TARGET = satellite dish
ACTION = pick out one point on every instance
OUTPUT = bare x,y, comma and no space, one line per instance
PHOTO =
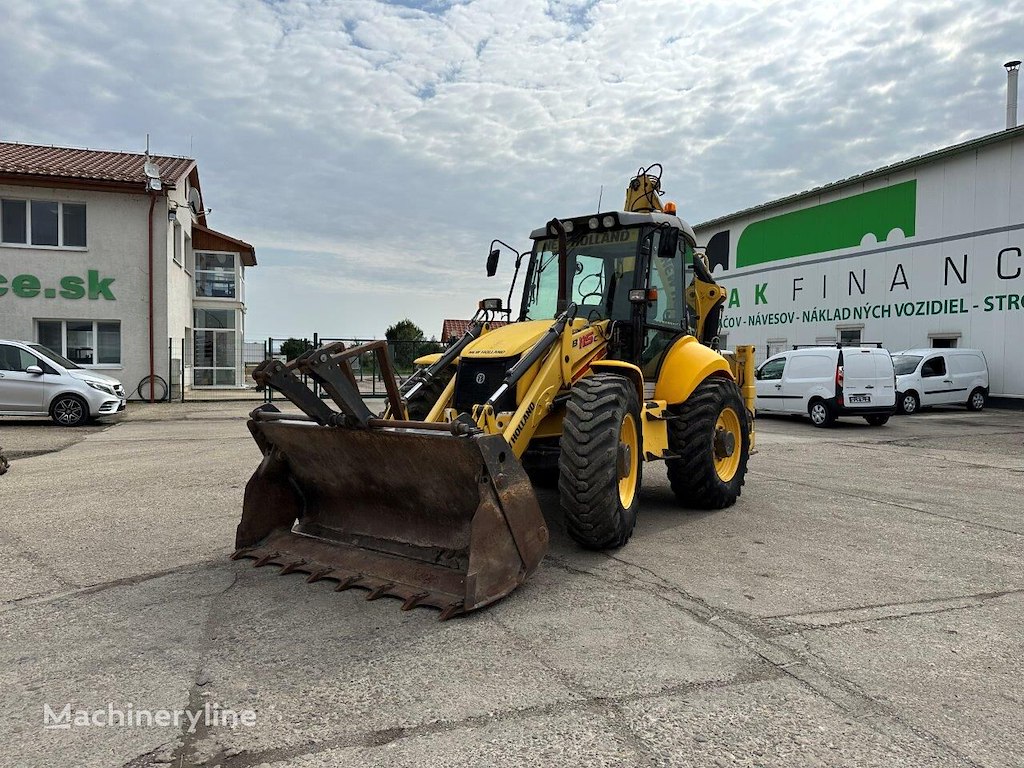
152,171
195,202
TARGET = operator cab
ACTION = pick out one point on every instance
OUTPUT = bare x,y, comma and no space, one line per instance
629,268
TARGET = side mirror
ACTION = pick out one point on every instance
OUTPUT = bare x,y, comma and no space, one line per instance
34,369
492,262
669,243
757,373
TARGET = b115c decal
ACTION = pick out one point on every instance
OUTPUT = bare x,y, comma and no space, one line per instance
830,226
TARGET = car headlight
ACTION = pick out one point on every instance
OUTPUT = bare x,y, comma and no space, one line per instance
105,388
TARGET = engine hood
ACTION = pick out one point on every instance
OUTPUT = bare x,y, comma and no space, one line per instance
509,340
99,378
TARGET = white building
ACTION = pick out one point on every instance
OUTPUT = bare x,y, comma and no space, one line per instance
923,253
116,269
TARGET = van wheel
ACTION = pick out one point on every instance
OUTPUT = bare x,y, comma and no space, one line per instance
876,421
909,403
711,436
69,411
977,400
600,462
821,415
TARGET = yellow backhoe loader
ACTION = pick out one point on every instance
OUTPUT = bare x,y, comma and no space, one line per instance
613,363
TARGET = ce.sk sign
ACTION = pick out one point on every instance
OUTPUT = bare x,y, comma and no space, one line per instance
68,287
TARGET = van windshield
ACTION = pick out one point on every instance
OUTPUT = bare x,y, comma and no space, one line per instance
53,357
905,364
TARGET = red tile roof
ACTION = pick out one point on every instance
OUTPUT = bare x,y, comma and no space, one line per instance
456,329
87,164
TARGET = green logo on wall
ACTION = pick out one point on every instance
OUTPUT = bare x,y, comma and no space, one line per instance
830,226
69,287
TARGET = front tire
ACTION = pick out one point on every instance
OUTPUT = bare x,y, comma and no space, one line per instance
910,403
69,411
711,436
977,400
600,464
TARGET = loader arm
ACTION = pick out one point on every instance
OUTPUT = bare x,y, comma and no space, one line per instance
565,353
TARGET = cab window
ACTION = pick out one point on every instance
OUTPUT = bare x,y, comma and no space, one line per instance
934,367
15,359
665,316
772,370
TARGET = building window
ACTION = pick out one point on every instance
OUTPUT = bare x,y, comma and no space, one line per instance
215,275
85,342
775,346
179,244
944,340
45,223
849,337
216,355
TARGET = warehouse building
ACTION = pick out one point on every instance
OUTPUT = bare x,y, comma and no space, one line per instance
107,258
922,253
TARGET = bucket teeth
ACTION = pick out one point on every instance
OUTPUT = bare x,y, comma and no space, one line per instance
413,600
292,566
238,554
380,591
451,610
317,575
348,583
265,559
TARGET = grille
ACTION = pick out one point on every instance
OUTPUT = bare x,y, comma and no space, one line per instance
470,392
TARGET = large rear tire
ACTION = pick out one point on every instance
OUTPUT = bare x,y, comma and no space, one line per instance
711,437
600,464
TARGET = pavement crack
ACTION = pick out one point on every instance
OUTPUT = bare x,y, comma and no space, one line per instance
92,589
864,497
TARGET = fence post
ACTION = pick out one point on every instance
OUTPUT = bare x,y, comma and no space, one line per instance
170,354
181,377
268,393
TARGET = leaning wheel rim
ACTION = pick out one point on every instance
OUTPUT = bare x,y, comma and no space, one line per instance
978,400
818,414
727,444
68,411
629,439
909,405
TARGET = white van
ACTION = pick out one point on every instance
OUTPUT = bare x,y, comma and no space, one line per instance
826,382
941,377
36,381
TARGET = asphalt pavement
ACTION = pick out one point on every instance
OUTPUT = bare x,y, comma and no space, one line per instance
860,606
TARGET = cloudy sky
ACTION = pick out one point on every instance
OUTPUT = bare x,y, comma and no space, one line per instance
371,150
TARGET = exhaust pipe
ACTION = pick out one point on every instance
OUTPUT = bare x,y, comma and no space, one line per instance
1011,93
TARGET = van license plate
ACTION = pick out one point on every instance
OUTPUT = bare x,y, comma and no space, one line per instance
860,398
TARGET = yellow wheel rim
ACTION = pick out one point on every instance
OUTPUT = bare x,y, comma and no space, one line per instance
628,460
727,444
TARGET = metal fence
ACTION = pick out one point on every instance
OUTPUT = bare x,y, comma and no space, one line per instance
216,368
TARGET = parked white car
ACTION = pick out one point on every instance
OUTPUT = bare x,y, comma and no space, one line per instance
826,382
35,381
941,377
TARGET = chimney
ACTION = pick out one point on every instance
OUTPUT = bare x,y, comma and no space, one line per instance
1011,93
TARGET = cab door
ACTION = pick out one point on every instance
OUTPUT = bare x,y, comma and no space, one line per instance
768,383
936,382
20,391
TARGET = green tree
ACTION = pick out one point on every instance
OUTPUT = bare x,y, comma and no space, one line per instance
404,340
292,348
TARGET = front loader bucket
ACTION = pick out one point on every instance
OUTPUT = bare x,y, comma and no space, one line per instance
419,514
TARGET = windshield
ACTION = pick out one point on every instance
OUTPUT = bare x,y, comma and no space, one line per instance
53,356
601,266
905,364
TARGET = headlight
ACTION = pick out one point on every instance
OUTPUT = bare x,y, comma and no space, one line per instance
105,388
